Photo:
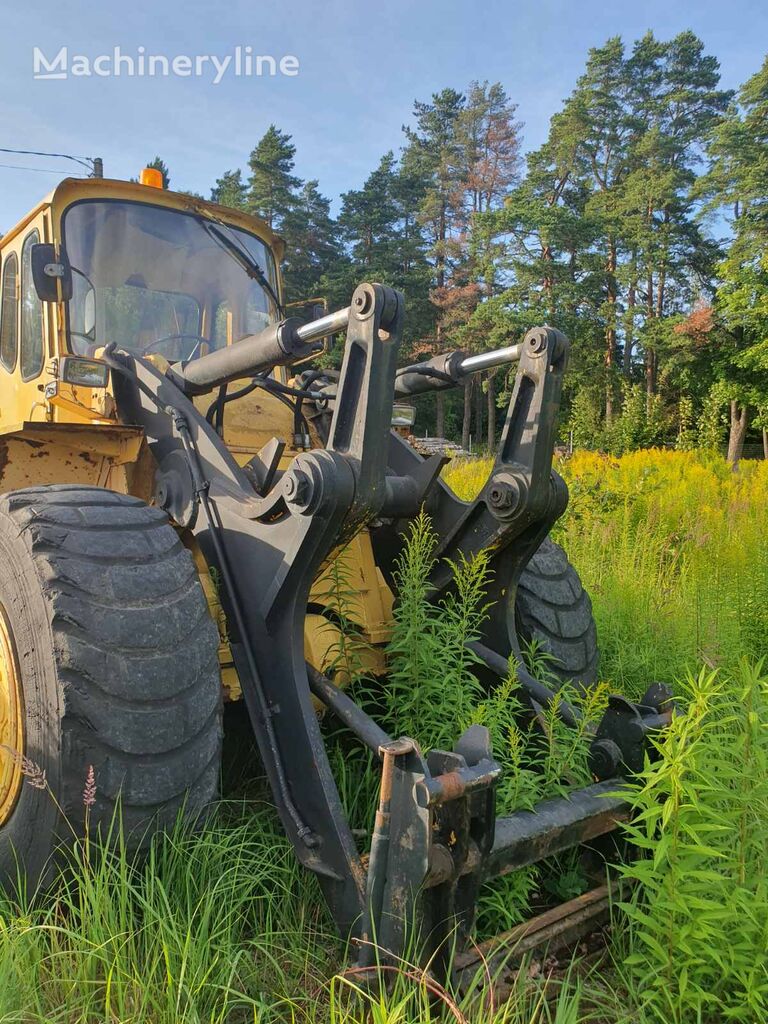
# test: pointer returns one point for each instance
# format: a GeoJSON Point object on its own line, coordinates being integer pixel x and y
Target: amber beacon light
{"type": "Point", "coordinates": [152, 177]}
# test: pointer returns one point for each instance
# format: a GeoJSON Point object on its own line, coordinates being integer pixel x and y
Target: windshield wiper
{"type": "Point", "coordinates": [241, 254]}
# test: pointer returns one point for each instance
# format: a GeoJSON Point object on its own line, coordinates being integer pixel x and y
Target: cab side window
{"type": "Point", "coordinates": [31, 314]}
{"type": "Point", "coordinates": [9, 312]}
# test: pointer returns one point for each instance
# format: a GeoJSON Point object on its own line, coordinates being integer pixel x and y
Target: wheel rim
{"type": "Point", "coordinates": [11, 723]}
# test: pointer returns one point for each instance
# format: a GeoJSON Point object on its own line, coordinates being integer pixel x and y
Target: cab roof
{"type": "Point", "coordinates": [72, 190]}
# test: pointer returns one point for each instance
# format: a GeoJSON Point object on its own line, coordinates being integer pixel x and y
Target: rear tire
{"type": "Point", "coordinates": [117, 658]}
{"type": "Point", "coordinates": [553, 609]}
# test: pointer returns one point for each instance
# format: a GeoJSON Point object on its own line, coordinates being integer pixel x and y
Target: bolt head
{"type": "Point", "coordinates": [536, 339]}
{"type": "Point", "coordinates": [298, 487]}
{"type": "Point", "coordinates": [362, 302]}
{"type": "Point", "coordinates": [503, 495]}
{"type": "Point", "coordinates": [604, 758]}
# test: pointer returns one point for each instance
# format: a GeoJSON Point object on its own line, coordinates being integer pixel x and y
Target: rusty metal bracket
{"type": "Point", "coordinates": [434, 827]}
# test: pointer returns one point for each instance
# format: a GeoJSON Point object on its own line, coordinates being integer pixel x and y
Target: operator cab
{"type": "Point", "coordinates": [173, 282]}
{"type": "Point", "coordinates": [157, 274]}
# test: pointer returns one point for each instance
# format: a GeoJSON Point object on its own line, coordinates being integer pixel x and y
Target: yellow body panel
{"type": "Point", "coordinates": [53, 432]}
{"type": "Point", "coordinates": [11, 722]}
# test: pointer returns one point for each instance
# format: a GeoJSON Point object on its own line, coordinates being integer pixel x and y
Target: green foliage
{"type": "Point", "coordinates": [432, 694]}
{"type": "Point", "coordinates": [640, 425]}
{"type": "Point", "coordinates": [737, 182]}
{"type": "Point", "coordinates": [585, 425]}
{"type": "Point", "coordinates": [711, 427]}
{"type": "Point", "coordinates": [379, 224]}
{"type": "Point", "coordinates": [431, 690]}
{"type": "Point", "coordinates": [230, 190]}
{"type": "Point", "coordinates": [699, 922]}
{"type": "Point", "coordinates": [686, 427]}
{"type": "Point", "coordinates": [272, 183]}
{"type": "Point", "coordinates": [311, 243]}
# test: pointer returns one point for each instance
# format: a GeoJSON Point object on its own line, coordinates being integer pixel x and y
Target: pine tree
{"type": "Point", "coordinates": [272, 187]}
{"type": "Point", "coordinates": [432, 157]}
{"type": "Point", "coordinates": [312, 246]}
{"type": "Point", "coordinates": [369, 218]}
{"type": "Point", "coordinates": [677, 102]}
{"type": "Point", "coordinates": [230, 190]}
{"type": "Point", "coordinates": [380, 226]}
{"type": "Point", "coordinates": [738, 183]}
{"type": "Point", "coordinates": [598, 122]}
{"type": "Point", "coordinates": [488, 136]}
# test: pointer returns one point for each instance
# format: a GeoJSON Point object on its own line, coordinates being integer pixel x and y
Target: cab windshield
{"type": "Point", "coordinates": [151, 279]}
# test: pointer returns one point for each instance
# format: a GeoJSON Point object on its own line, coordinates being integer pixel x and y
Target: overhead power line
{"type": "Point", "coordinates": [40, 170]}
{"type": "Point", "coordinates": [86, 161]}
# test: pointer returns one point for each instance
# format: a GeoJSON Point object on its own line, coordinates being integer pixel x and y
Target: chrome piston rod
{"type": "Point", "coordinates": [332, 323]}
{"type": "Point", "coordinates": [316, 330]}
{"type": "Point", "coordinates": [487, 360]}
{"type": "Point", "coordinates": [449, 369]}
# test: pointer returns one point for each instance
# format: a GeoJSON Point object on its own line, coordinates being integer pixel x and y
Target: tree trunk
{"type": "Point", "coordinates": [765, 442]}
{"type": "Point", "coordinates": [439, 414]}
{"type": "Point", "coordinates": [650, 355]}
{"type": "Point", "coordinates": [629, 333]}
{"type": "Point", "coordinates": [466, 425]}
{"type": "Point", "coordinates": [491, 407]}
{"type": "Point", "coordinates": [439, 396]}
{"type": "Point", "coordinates": [739, 424]}
{"type": "Point", "coordinates": [478, 389]}
{"type": "Point", "coordinates": [650, 374]}
{"type": "Point", "coordinates": [610, 332]}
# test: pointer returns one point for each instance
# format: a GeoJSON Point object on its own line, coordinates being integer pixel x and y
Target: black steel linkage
{"type": "Point", "coordinates": [269, 548]}
{"type": "Point", "coordinates": [522, 497]}
{"type": "Point", "coordinates": [527, 837]}
{"type": "Point", "coordinates": [436, 837]}
{"type": "Point", "coordinates": [345, 709]}
{"type": "Point", "coordinates": [536, 690]}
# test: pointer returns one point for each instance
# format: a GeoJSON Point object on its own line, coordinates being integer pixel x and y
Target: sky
{"type": "Point", "coordinates": [361, 65]}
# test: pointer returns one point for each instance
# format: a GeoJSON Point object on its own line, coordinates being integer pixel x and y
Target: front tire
{"type": "Point", "coordinates": [116, 656]}
{"type": "Point", "coordinates": [553, 610]}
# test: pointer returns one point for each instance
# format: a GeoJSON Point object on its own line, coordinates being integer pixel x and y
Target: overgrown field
{"type": "Point", "coordinates": [222, 926]}
{"type": "Point", "coordinates": [673, 548]}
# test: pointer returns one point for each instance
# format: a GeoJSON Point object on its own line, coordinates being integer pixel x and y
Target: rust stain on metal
{"type": "Point", "coordinates": [553, 929]}
{"type": "Point", "coordinates": [451, 785]}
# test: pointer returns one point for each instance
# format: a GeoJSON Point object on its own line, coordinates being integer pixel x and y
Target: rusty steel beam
{"type": "Point", "coordinates": [527, 837]}
{"type": "Point", "coordinates": [551, 930]}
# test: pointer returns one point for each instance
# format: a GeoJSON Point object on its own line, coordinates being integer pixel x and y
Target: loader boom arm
{"type": "Point", "coordinates": [435, 831]}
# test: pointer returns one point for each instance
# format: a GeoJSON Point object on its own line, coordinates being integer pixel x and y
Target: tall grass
{"type": "Point", "coordinates": [431, 692]}
{"type": "Point", "coordinates": [673, 548]}
{"type": "Point", "coordinates": [218, 926]}
{"type": "Point", "coordinates": [221, 925]}
{"type": "Point", "coordinates": [214, 926]}
{"type": "Point", "coordinates": [699, 922]}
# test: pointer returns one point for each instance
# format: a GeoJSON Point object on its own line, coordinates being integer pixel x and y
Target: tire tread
{"type": "Point", "coordinates": [553, 607]}
{"type": "Point", "coordinates": [124, 599]}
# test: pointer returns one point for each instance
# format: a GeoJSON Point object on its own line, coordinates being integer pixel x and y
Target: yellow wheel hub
{"type": "Point", "coordinates": [11, 722]}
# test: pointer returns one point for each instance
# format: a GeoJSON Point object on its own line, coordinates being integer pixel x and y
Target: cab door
{"type": "Point", "coordinates": [24, 333]}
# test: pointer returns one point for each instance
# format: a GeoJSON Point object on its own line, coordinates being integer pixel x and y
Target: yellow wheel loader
{"type": "Point", "coordinates": [174, 483]}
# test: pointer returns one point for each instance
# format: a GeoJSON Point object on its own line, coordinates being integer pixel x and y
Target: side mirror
{"type": "Point", "coordinates": [47, 270]}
